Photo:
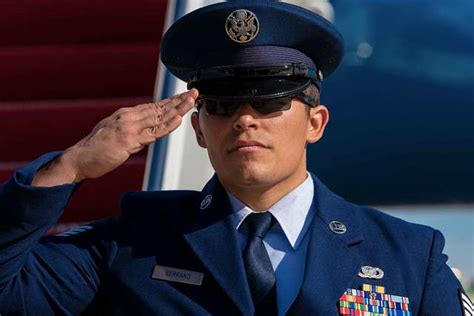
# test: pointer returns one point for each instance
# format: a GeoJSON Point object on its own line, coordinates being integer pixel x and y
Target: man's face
{"type": "Point", "coordinates": [251, 150]}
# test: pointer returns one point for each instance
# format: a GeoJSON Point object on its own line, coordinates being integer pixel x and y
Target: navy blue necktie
{"type": "Point", "coordinates": [258, 266]}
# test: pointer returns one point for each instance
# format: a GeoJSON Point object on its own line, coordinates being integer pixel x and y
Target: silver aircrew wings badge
{"type": "Point", "coordinates": [369, 272]}
{"type": "Point", "coordinates": [242, 26]}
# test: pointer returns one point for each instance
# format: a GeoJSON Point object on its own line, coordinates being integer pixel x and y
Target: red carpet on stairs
{"type": "Point", "coordinates": [63, 67]}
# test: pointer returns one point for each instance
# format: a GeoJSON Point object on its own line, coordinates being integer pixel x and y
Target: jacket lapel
{"type": "Point", "coordinates": [332, 259]}
{"type": "Point", "coordinates": [212, 237]}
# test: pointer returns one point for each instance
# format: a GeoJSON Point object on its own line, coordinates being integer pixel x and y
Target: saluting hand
{"type": "Point", "coordinates": [115, 138]}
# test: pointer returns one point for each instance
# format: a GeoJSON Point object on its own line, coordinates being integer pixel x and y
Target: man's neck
{"type": "Point", "coordinates": [262, 197]}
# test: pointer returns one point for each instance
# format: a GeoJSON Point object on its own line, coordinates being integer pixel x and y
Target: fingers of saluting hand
{"type": "Point", "coordinates": [161, 118]}
{"type": "Point", "coordinates": [147, 109]}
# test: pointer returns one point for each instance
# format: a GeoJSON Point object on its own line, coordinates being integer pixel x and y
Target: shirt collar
{"type": "Point", "coordinates": [292, 212]}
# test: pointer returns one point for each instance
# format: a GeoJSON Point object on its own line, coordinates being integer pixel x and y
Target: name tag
{"type": "Point", "coordinates": [177, 275]}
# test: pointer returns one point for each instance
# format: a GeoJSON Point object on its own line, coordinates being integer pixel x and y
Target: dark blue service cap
{"type": "Point", "coordinates": [251, 49]}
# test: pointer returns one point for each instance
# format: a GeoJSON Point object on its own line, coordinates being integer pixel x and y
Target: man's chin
{"type": "Point", "coordinates": [250, 177]}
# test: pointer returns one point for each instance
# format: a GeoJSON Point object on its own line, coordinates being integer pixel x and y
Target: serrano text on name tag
{"type": "Point", "coordinates": [177, 275]}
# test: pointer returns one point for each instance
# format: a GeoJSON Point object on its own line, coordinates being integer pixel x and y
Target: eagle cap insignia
{"type": "Point", "coordinates": [242, 26]}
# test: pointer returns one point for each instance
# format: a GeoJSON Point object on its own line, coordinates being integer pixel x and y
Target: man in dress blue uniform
{"type": "Point", "coordinates": [263, 237]}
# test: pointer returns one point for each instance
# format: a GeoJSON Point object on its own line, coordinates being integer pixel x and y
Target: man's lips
{"type": "Point", "coordinates": [247, 146]}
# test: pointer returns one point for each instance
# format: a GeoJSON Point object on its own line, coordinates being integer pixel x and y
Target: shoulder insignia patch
{"type": "Point", "coordinates": [75, 231]}
{"type": "Point", "coordinates": [466, 304]}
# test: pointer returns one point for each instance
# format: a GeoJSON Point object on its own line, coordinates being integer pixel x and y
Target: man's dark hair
{"type": "Point", "coordinates": [312, 92]}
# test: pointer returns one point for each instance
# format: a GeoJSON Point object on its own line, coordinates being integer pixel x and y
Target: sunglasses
{"type": "Point", "coordinates": [266, 106]}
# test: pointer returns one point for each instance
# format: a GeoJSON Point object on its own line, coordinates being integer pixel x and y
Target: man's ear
{"type": "Point", "coordinates": [197, 129]}
{"type": "Point", "coordinates": [318, 119]}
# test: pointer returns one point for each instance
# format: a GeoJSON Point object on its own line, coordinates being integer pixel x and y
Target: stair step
{"type": "Point", "coordinates": [36, 22]}
{"type": "Point", "coordinates": [30, 129]}
{"type": "Point", "coordinates": [78, 71]}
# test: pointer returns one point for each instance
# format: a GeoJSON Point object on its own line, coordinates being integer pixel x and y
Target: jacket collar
{"type": "Point", "coordinates": [211, 235]}
{"type": "Point", "coordinates": [332, 259]}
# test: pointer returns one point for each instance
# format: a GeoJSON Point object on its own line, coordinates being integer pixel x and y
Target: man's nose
{"type": "Point", "coordinates": [245, 117]}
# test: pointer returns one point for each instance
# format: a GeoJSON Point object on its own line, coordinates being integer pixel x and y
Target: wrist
{"type": "Point", "coordinates": [62, 170]}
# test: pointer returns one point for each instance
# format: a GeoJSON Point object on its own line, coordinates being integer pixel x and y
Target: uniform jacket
{"type": "Point", "coordinates": [107, 267]}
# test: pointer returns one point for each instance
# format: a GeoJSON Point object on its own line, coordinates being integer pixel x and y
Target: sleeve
{"type": "Point", "coordinates": [443, 293]}
{"type": "Point", "coordinates": [47, 275]}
